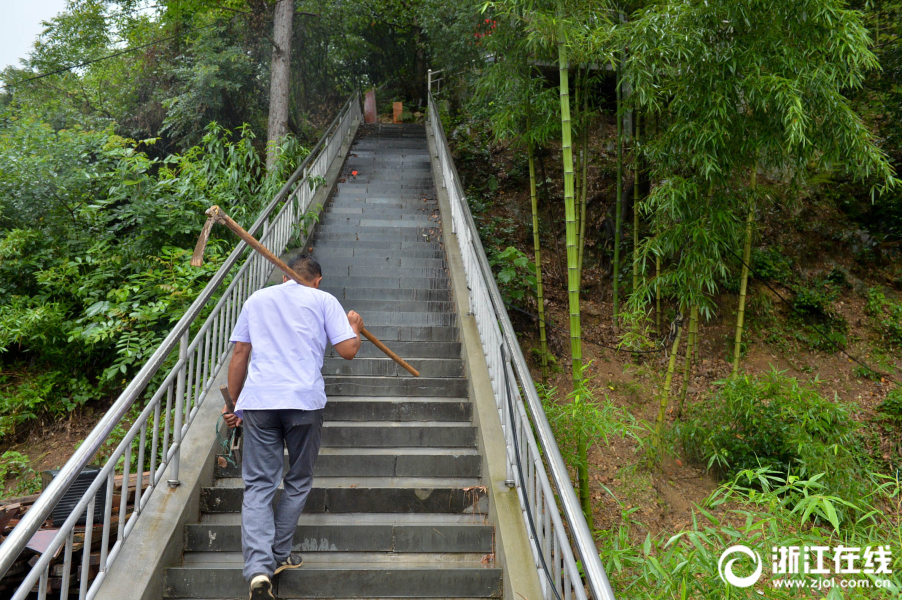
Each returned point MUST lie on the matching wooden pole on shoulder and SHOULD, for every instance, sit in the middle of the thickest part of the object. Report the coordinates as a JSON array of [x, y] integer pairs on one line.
[[218, 216]]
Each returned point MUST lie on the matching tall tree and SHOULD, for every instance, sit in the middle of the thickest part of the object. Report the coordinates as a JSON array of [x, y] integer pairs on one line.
[[279, 78]]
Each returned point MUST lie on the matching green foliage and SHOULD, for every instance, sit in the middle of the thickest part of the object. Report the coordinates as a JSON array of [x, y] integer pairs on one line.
[[775, 422], [15, 464], [891, 407], [12, 463], [760, 510], [772, 264], [96, 237], [584, 414], [813, 307], [515, 274], [886, 316]]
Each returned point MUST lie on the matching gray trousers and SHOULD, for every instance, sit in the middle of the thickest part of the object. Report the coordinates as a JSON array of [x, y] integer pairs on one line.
[[267, 531]]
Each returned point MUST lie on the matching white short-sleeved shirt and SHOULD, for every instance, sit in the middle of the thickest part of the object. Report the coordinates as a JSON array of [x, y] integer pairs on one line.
[[288, 325]]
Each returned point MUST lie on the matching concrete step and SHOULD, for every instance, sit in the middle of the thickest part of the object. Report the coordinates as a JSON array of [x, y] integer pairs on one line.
[[376, 202], [387, 462], [397, 434], [329, 251], [407, 350], [349, 236], [388, 232], [401, 225], [386, 367], [378, 245], [389, 282], [402, 306], [374, 319], [408, 220], [369, 293], [384, 271], [342, 575], [366, 495], [356, 533], [336, 262], [352, 385], [371, 175], [385, 189], [367, 162], [355, 208], [398, 409]]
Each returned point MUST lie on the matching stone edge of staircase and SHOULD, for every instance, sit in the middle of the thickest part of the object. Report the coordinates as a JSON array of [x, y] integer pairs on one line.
[[140, 565], [513, 548]]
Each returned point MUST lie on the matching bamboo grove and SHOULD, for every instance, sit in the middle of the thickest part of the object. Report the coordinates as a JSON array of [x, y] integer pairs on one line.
[[712, 101]]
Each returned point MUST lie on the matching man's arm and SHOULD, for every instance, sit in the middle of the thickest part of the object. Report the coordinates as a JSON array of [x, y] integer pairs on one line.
[[348, 348], [241, 354]]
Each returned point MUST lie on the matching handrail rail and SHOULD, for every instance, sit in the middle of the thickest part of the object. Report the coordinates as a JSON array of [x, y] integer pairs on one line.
[[189, 379], [536, 494]]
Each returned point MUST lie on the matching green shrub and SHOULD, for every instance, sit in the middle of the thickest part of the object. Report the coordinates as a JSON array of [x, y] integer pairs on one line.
[[773, 421], [96, 235], [515, 274], [772, 264], [886, 316], [891, 407], [815, 322], [15, 464], [760, 511]]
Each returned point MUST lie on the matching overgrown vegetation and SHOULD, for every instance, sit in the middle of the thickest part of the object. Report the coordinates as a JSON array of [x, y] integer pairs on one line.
[[773, 421], [94, 263]]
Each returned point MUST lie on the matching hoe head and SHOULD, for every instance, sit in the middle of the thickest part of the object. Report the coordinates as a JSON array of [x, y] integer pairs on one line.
[[197, 259]]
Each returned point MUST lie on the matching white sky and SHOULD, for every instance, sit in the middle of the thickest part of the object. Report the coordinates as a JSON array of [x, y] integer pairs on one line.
[[20, 25]]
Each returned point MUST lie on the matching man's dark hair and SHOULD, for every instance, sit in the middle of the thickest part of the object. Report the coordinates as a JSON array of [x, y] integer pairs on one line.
[[306, 267]]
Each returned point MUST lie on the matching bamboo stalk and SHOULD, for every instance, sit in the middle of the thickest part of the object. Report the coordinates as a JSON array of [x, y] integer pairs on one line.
[[582, 475], [585, 179], [536, 242], [636, 204], [569, 208], [617, 224], [570, 212], [687, 368], [744, 281], [665, 394]]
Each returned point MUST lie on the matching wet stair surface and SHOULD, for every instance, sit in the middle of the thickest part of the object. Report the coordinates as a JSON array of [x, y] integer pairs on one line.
[[397, 509]]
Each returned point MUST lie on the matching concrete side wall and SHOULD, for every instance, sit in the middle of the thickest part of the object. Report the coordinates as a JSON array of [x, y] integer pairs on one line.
[[157, 541], [512, 543]]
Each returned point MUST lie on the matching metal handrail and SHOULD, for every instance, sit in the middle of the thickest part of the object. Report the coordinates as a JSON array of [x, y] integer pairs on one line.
[[537, 494], [185, 388]]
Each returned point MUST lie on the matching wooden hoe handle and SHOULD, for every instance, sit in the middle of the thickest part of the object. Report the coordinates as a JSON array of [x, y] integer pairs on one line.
[[217, 216]]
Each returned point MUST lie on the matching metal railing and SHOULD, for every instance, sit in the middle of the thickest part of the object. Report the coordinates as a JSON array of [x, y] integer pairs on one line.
[[177, 397], [537, 481]]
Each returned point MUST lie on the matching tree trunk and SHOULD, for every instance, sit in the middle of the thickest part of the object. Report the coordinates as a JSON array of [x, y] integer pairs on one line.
[[536, 242], [665, 394], [617, 221], [744, 281], [636, 203], [687, 368], [279, 79]]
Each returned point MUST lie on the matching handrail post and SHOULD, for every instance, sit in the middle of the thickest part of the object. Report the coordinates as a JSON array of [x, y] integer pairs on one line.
[[179, 412]]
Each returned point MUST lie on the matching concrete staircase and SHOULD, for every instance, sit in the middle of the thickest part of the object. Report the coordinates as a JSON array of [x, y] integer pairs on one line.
[[398, 508]]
